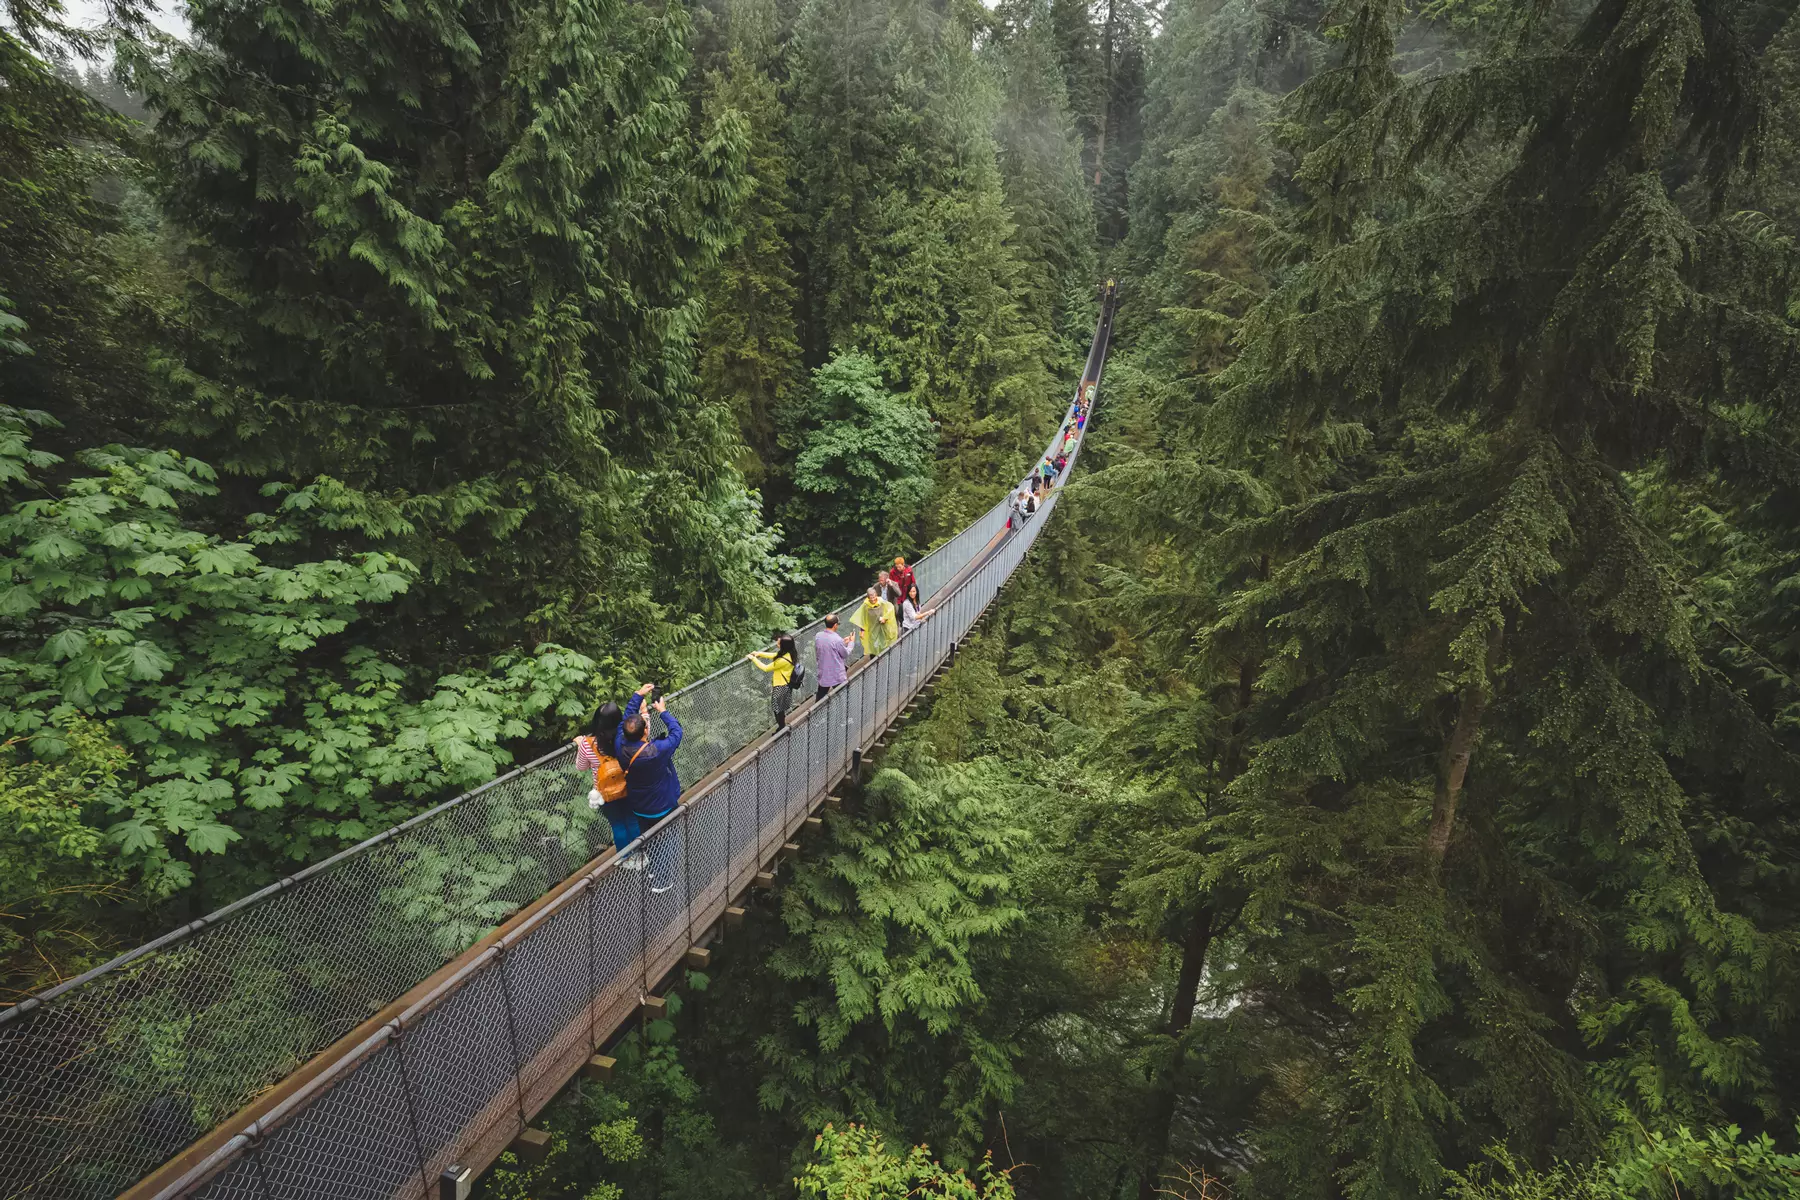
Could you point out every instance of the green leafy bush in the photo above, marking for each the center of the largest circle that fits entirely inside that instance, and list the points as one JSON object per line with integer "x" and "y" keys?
{"x": 247, "y": 712}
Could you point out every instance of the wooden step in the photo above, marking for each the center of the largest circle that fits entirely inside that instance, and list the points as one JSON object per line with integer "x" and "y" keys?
{"x": 532, "y": 1145}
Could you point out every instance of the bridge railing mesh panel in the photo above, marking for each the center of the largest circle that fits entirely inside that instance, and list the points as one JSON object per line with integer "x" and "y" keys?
{"x": 105, "y": 1078}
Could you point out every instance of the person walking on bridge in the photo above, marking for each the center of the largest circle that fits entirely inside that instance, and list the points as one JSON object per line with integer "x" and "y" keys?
{"x": 652, "y": 789}
{"x": 779, "y": 663}
{"x": 903, "y": 577}
{"x": 831, "y": 651}
{"x": 875, "y": 617}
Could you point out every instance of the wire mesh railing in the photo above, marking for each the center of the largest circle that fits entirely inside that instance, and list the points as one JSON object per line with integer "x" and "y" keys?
{"x": 105, "y": 1078}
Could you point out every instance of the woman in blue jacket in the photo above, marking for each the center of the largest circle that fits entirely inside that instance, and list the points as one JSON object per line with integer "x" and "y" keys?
{"x": 652, "y": 789}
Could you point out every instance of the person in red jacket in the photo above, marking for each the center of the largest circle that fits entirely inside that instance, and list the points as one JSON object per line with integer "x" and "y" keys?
{"x": 902, "y": 575}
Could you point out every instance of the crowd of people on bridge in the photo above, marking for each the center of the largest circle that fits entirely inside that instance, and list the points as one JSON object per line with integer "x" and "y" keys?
{"x": 635, "y": 781}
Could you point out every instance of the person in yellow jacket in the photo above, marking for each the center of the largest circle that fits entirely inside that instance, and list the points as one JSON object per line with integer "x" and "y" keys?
{"x": 779, "y": 663}
{"x": 875, "y": 617}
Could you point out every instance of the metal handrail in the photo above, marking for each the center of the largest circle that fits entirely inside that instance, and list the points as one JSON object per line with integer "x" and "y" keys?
{"x": 74, "y": 1036}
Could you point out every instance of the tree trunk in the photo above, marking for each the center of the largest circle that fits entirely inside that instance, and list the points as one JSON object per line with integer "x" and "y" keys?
{"x": 1106, "y": 59}
{"x": 1453, "y": 765}
{"x": 1181, "y": 1015}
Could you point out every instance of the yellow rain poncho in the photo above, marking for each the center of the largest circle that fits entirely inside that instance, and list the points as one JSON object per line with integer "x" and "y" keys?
{"x": 876, "y": 620}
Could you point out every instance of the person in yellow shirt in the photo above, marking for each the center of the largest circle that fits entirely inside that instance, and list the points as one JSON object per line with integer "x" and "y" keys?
{"x": 779, "y": 663}
{"x": 875, "y": 617}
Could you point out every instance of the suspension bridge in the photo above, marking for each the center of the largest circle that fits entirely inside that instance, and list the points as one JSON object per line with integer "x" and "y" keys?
{"x": 384, "y": 1024}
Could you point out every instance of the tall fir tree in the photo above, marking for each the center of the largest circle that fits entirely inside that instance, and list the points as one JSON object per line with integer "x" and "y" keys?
{"x": 749, "y": 346}
{"x": 1040, "y": 166}
{"x": 1494, "y": 755}
{"x": 908, "y": 248}
{"x": 450, "y": 258}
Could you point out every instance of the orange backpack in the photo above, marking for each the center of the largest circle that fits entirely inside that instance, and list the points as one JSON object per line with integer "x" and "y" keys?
{"x": 609, "y": 776}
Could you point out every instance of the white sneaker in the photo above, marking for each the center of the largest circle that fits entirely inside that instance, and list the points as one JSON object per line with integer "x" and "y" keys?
{"x": 657, "y": 889}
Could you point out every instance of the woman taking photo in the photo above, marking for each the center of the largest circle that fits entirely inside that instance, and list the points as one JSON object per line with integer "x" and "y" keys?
{"x": 779, "y": 663}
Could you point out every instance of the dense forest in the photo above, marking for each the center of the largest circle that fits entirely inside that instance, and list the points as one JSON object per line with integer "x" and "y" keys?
{"x": 1379, "y": 781}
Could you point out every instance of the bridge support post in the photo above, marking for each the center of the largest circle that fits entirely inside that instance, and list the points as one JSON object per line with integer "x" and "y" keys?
{"x": 456, "y": 1182}
{"x": 856, "y": 766}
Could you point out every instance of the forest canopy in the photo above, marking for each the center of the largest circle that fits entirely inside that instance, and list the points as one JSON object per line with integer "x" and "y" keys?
{"x": 1377, "y": 783}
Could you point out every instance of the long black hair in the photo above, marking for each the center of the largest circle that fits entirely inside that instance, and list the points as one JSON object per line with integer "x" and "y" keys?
{"x": 785, "y": 645}
{"x": 606, "y": 725}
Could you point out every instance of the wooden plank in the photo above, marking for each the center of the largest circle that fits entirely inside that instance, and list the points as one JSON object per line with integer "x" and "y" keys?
{"x": 696, "y": 958}
{"x": 532, "y": 1145}
{"x": 600, "y": 1066}
{"x": 734, "y": 917}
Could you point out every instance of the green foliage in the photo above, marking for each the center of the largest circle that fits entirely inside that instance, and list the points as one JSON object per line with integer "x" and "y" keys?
{"x": 459, "y": 273}
{"x": 750, "y": 352}
{"x": 883, "y": 932}
{"x": 57, "y": 870}
{"x": 1722, "y": 1163}
{"x": 246, "y": 712}
{"x": 69, "y": 338}
{"x": 1428, "y": 595}
{"x": 854, "y": 1164}
{"x": 648, "y": 1131}
{"x": 908, "y": 241}
{"x": 1040, "y": 166}
{"x": 862, "y": 467}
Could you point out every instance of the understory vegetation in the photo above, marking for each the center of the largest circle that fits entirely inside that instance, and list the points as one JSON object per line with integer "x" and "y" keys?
{"x": 1379, "y": 780}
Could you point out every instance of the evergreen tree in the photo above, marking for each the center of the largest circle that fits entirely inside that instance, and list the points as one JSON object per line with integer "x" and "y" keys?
{"x": 72, "y": 337}
{"x": 1492, "y": 756}
{"x": 908, "y": 247}
{"x": 749, "y": 346}
{"x": 450, "y": 258}
{"x": 1040, "y": 164}
{"x": 882, "y": 934}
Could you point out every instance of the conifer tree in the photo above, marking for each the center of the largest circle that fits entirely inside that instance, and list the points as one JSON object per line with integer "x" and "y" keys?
{"x": 883, "y": 937}
{"x": 450, "y": 257}
{"x": 908, "y": 252}
{"x": 1495, "y": 757}
{"x": 750, "y": 350}
{"x": 1040, "y": 164}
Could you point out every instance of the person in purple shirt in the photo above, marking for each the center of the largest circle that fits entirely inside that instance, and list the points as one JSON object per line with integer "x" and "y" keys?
{"x": 830, "y": 651}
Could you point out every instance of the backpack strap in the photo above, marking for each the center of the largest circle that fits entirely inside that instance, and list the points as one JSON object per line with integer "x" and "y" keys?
{"x": 645, "y": 745}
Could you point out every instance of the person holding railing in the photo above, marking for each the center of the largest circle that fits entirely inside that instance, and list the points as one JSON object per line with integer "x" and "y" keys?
{"x": 779, "y": 663}
{"x": 652, "y": 789}
{"x": 911, "y": 614}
